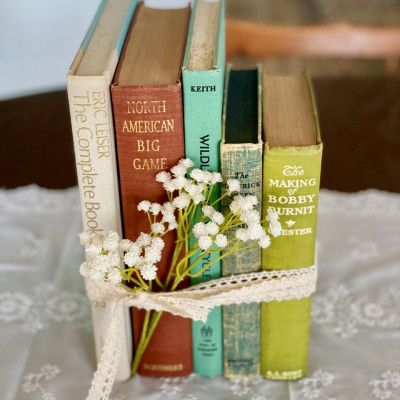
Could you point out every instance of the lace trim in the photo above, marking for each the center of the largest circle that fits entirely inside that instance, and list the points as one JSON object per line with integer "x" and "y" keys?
{"x": 363, "y": 203}
{"x": 34, "y": 198}
{"x": 195, "y": 303}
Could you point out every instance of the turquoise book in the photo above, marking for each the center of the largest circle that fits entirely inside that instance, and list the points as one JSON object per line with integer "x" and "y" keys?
{"x": 241, "y": 158}
{"x": 203, "y": 83}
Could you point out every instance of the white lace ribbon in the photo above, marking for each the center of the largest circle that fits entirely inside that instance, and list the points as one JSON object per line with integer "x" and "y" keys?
{"x": 194, "y": 302}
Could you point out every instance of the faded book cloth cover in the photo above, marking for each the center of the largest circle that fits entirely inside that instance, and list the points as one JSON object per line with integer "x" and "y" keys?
{"x": 93, "y": 136}
{"x": 242, "y": 161}
{"x": 291, "y": 177}
{"x": 148, "y": 142}
{"x": 203, "y": 95}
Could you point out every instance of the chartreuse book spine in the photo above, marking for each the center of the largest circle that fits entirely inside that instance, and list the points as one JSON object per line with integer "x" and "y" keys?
{"x": 291, "y": 176}
{"x": 241, "y": 158}
{"x": 203, "y": 94}
{"x": 88, "y": 85}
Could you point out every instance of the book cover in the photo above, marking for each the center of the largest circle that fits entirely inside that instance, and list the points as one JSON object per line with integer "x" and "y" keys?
{"x": 291, "y": 175}
{"x": 203, "y": 81}
{"x": 148, "y": 115}
{"x": 88, "y": 88}
{"x": 241, "y": 158}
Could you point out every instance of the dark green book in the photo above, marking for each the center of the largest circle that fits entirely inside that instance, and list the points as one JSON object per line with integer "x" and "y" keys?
{"x": 241, "y": 158}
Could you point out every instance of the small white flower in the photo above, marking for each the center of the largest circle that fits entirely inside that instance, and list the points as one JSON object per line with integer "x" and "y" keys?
{"x": 167, "y": 208}
{"x": 250, "y": 216}
{"x": 199, "y": 229}
{"x": 163, "y": 177}
{"x": 275, "y": 228}
{"x": 144, "y": 239}
{"x": 180, "y": 182}
{"x": 272, "y": 215}
{"x": 181, "y": 201}
{"x": 205, "y": 242}
{"x": 252, "y": 200}
{"x": 193, "y": 188}
{"x": 114, "y": 276}
{"x": 168, "y": 218}
{"x": 208, "y": 176}
{"x": 125, "y": 245}
{"x": 198, "y": 198}
{"x": 157, "y": 243}
{"x": 179, "y": 170}
{"x": 96, "y": 275}
{"x": 242, "y": 234}
{"x": 101, "y": 263}
{"x": 197, "y": 175}
{"x": 218, "y": 218}
{"x": 84, "y": 269}
{"x": 255, "y": 231}
{"x": 172, "y": 226}
{"x": 90, "y": 238}
{"x": 148, "y": 272}
{"x": 216, "y": 177}
{"x": 144, "y": 205}
{"x": 158, "y": 228}
{"x": 264, "y": 241}
{"x": 208, "y": 210}
{"x": 212, "y": 228}
{"x": 155, "y": 208}
{"x": 114, "y": 258}
{"x": 233, "y": 186}
{"x": 111, "y": 241}
{"x": 92, "y": 251}
{"x": 221, "y": 240}
{"x": 132, "y": 256}
{"x": 169, "y": 186}
{"x": 186, "y": 162}
{"x": 152, "y": 255}
{"x": 85, "y": 238}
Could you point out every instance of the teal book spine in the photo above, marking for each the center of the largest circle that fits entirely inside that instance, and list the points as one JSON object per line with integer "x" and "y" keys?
{"x": 203, "y": 96}
{"x": 241, "y": 158}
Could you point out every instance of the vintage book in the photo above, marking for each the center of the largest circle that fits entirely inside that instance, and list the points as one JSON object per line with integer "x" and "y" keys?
{"x": 203, "y": 81}
{"x": 88, "y": 86}
{"x": 241, "y": 158}
{"x": 291, "y": 175}
{"x": 148, "y": 115}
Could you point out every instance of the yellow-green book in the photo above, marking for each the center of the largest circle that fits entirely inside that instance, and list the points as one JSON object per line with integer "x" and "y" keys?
{"x": 291, "y": 175}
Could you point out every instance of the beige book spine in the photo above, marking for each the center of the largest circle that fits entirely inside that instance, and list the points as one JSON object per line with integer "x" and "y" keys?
{"x": 94, "y": 146}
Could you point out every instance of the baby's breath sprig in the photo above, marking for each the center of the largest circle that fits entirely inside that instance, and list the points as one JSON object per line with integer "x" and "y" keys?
{"x": 192, "y": 214}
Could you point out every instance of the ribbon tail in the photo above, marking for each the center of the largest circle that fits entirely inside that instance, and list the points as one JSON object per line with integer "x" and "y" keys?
{"x": 104, "y": 376}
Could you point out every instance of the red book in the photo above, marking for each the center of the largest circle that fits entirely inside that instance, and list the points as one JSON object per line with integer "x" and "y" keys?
{"x": 148, "y": 114}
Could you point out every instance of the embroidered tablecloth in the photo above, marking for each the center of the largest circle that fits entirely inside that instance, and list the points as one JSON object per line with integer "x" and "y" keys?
{"x": 47, "y": 350}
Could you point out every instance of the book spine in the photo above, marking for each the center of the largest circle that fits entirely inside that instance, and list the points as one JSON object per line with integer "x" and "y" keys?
{"x": 203, "y": 92}
{"x": 149, "y": 134}
{"x": 241, "y": 323}
{"x": 291, "y": 178}
{"x": 93, "y": 137}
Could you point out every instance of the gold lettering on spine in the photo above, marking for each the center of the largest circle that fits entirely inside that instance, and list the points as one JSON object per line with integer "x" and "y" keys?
{"x": 152, "y": 124}
{"x": 93, "y": 141}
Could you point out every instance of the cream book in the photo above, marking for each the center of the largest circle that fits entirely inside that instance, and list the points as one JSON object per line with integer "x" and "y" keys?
{"x": 88, "y": 87}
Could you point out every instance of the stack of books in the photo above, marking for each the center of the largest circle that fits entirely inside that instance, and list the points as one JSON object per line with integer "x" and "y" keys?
{"x": 148, "y": 87}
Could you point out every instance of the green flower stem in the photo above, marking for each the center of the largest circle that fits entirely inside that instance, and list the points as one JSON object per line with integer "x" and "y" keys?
{"x": 141, "y": 345}
{"x": 149, "y": 326}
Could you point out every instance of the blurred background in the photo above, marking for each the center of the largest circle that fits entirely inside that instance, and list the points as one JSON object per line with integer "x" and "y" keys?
{"x": 350, "y": 48}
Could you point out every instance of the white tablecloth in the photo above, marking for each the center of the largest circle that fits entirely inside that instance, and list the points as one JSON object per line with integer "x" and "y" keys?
{"x": 45, "y": 329}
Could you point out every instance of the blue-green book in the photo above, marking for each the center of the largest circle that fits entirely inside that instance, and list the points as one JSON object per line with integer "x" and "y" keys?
{"x": 203, "y": 86}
